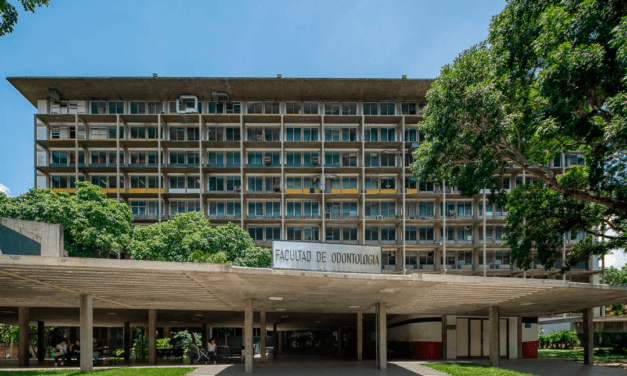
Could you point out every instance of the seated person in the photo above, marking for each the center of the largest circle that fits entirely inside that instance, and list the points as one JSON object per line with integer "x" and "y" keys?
{"x": 210, "y": 350}
{"x": 75, "y": 351}
{"x": 61, "y": 351}
{"x": 97, "y": 350}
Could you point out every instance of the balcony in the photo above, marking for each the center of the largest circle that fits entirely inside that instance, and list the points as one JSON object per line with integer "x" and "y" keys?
{"x": 381, "y": 191}
{"x": 145, "y": 190}
{"x": 341, "y": 190}
{"x": 224, "y": 217}
{"x": 302, "y": 191}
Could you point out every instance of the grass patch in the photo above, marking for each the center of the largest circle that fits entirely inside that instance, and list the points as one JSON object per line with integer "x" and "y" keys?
{"x": 470, "y": 369}
{"x": 178, "y": 371}
{"x": 577, "y": 354}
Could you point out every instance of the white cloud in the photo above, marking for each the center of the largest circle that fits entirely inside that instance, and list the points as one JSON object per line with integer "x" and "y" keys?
{"x": 4, "y": 189}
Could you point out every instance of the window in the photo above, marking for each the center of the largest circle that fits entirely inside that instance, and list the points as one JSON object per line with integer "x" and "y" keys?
{"x": 349, "y": 209}
{"x": 294, "y": 209}
{"x": 233, "y": 134}
{"x": 58, "y": 182}
{"x": 408, "y": 108}
{"x": 177, "y": 134}
{"x": 116, "y": 107}
{"x": 426, "y": 208}
{"x": 294, "y": 182}
{"x": 215, "y": 159}
{"x": 273, "y": 209}
{"x": 292, "y": 108}
{"x": 193, "y": 134}
{"x": 332, "y": 233}
{"x": 193, "y": 182}
{"x": 388, "y": 233}
{"x": 312, "y": 209}
{"x": 426, "y": 233}
{"x": 98, "y": 158}
{"x": 138, "y": 107}
{"x": 193, "y": 158}
{"x": 388, "y": 160}
{"x": 216, "y": 183}
{"x": 331, "y": 134}
{"x": 177, "y": 182}
{"x": 349, "y": 108}
{"x": 464, "y": 208}
{"x": 232, "y": 182}
{"x": 332, "y": 159}
{"x": 255, "y": 134}
{"x": 193, "y": 206}
{"x": 411, "y": 259}
{"x": 255, "y": 159}
{"x": 388, "y": 208}
{"x": 155, "y": 107}
{"x": 577, "y": 160}
{"x": 331, "y": 108}
{"x": 255, "y": 184}
{"x": 426, "y": 187}
{"x": 371, "y": 183}
{"x": 138, "y": 182}
{"x": 292, "y": 134}
{"x": 349, "y": 183}
{"x": 273, "y": 233}
{"x": 273, "y": 134}
{"x": 371, "y": 233}
{"x": 138, "y": 207}
{"x": 388, "y": 258}
{"x": 310, "y": 134}
{"x": 410, "y": 233}
{"x": 502, "y": 258}
{"x": 177, "y": 158}
{"x": 388, "y": 183}
{"x": 233, "y": 159}
{"x": 464, "y": 233}
{"x": 388, "y": 134}
{"x": 370, "y": 108}
{"x": 293, "y": 159}
{"x": 371, "y": 134}
{"x": 98, "y": 107}
{"x": 349, "y": 159}
{"x": 233, "y": 107}
{"x": 387, "y": 109}
{"x": 349, "y": 233}
{"x": 59, "y": 158}
{"x": 505, "y": 183}
{"x": 294, "y": 233}
{"x": 464, "y": 258}
{"x": 372, "y": 208}
{"x": 273, "y": 108}
{"x": 138, "y": 133}
{"x": 100, "y": 181}
{"x": 349, "y": 134}
{"x": 256, "y": 232}
{"x": 411, "y": 134}
{"x": 311, "y": 234}
{"x": 310, "y": 108}
{"x": 255, "y": 208}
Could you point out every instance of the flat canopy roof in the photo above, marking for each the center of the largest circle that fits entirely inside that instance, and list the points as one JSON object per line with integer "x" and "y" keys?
{"x": 34, "y": 281}
{"x": 262, "y": 88}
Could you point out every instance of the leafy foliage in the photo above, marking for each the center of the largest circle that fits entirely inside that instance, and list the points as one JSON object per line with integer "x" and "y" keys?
{"x": 94, "y": 226}
{"x": 550, "y": 80}
{"x": 564, "y": 339}
{"x": 189, "y": 237}
{"x": 617, "y": 277}
{"x": 8, "y": 13}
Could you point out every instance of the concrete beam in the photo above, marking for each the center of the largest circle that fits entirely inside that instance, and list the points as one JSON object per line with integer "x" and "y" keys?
{"x": 152, "y": 336}
{"x": 382, "y": 328}
{"x": 495, "y": 346}
{"x": 360, "y": 336}
{"x": 87, "y": 332}
{"x": 127, "y": 341}
{"x": 588, "y": 336}
{"x": 41, "y": 345}
{"x": 23, "y": 336}
{"x": 248, "y": 335}
{"x": 262, "y": 348}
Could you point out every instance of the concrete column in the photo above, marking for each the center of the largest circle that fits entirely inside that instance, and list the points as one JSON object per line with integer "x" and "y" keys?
{"x": 166, "y": 332}
{"x": 339, "y": 341}
{"x": 204, "y": 337}
{"x": 588, "y": 336}
{"x": 41, "y": 346}
{"x": 23, "y": 336}
{"x": 280, "y": 334}
{"x": 87, "y": 333}
{"x": 519, "y": 333}
{"x": 444, "y": 337}
{"x": 152, "y": 336}
{"x": 127, "y": 341}
{"x": 275, "y": 340}
{"x": 248, "y": 335}
{"x": 495, "y": 347}
{"x": 262, "y": 347}
{"x": 382, "y": 336}
{"x": 360, "y": 336}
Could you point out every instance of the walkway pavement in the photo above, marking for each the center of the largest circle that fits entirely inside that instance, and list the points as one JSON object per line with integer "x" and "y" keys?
{"x": 318, "y": 367}
{"x": 556, "y": 367}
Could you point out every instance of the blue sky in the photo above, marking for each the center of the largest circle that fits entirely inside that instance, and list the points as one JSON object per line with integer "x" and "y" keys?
{"x": 224, "y": 39}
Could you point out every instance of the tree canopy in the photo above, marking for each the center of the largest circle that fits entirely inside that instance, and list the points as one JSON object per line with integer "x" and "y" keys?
{"x": 550, "y": 80}
{"x": 8, "y": 13}
{"x": 94, "y": 226}
{"x": 189, "y": 237}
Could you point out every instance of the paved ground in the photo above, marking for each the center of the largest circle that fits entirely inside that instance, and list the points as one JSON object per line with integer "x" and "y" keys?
{"x": 316, "y": 367}
{"x": 557, "y": 367}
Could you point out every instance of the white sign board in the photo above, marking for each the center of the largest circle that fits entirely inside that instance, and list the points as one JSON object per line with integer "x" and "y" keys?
{"x": 326, "y": 257}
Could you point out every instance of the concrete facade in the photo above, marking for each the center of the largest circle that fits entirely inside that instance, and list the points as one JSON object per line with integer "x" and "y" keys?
{"x": 301, "y": 159}
{"x": 18, "y": 237}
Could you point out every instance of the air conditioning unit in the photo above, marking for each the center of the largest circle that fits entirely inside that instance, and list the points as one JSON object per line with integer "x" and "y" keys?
{"x": 259, "y": 137}
{"x": 277, "y": 188}
{"x": 438, "y": 243}
{"x": 451, "y": 213}
{"x": 316, "y": 160}
{"x": 238, "y": 188}
{"x": 312, "y": 190}
{"x": 379, "y": 217}
{"x": 327, "y": 215}
{"x": 162, "y": 112}
{"x": 267, "y": 160}
{"x": 467, "y": 228}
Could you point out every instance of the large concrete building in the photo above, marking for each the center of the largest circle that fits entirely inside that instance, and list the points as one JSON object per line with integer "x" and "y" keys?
{"x": 302, "y": 159}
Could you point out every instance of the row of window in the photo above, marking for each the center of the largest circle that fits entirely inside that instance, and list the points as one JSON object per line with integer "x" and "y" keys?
{"x": 238, "y": 107}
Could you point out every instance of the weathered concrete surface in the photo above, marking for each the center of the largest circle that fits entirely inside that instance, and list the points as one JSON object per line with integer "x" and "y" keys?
{"x": 49, "y": 236}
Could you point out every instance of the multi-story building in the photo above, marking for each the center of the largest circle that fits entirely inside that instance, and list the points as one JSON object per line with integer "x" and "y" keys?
{"x": 309, "y": 159}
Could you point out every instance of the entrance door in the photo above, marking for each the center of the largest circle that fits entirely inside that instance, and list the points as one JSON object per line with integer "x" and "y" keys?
{"x": 475, "y": 341}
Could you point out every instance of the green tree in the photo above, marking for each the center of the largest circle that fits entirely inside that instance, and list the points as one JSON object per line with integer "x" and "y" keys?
{"x": 616, "y": 277}
{"x": 8, "y": 13}
{"x": 550, "y": 79}
{"x": 94, "y": 226}
{"x": 190, "y": 237}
